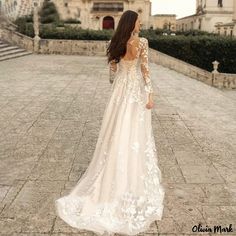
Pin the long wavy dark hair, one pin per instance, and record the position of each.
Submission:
(117, 47)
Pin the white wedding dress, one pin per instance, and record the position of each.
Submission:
(121, 190)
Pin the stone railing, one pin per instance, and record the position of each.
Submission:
(16, 38)
(5, 22)
(216, 79)
(72, 47)
(98, 48)
(223, 80)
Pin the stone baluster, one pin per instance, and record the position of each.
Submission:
(234, 11)
(214, 72)
(36, 27)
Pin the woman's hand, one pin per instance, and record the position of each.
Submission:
(150, 103)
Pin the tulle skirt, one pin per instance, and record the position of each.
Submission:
(121, 190)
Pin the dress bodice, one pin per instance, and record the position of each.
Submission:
(128, 66)
(136, 69)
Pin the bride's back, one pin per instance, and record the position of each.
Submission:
(134, 61)
(132, 51)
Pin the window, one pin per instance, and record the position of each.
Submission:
(225, 32)
(220, 3)
(200, 24)
(165, 26)
(78, 12)
(108, 6)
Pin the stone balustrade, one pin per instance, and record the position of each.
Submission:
(98, 48)
(224, 80)
(72, 47)
(219, 80)
(16, 38)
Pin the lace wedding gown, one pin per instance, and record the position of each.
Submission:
(121, 190)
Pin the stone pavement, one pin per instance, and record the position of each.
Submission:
(51, 109)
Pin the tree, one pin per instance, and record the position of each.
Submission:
(49, 13)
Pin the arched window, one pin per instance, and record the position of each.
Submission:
(108, 22)
(165, 25)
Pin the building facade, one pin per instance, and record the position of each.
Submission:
(228, 28)
(95, 14)
(163, 21)
(215, 16)
(16, 8)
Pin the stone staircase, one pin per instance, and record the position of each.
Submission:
(8, 51)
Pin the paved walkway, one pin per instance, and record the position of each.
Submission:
(51, 110)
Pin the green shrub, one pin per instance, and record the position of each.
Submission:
(29, 18)
(60, 23)
(194, 33)
(25, 25)
(72, 21)
(48, 13)
(74, 33)
(153, 33)
(49, 19)
(29, 30)
(200, 51)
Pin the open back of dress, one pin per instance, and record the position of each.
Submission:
(138, 52)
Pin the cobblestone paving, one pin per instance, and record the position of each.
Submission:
(51, 110)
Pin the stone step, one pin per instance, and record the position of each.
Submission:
(8, 51)
(3, 42)
(12, 56)
(4, 49)
(4, 45)
(14, 51)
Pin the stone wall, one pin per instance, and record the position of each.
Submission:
(219, 80)
(17, 38)
(72, 47)
(162, 20)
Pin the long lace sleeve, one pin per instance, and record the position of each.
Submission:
(112, 70)
(145, 66)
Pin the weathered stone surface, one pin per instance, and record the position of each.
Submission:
(51, 109)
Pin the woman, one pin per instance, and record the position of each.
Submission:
(121, 190)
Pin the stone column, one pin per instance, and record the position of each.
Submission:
(215, 72)
(234, 14)
(197, 5)
(36, 27)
